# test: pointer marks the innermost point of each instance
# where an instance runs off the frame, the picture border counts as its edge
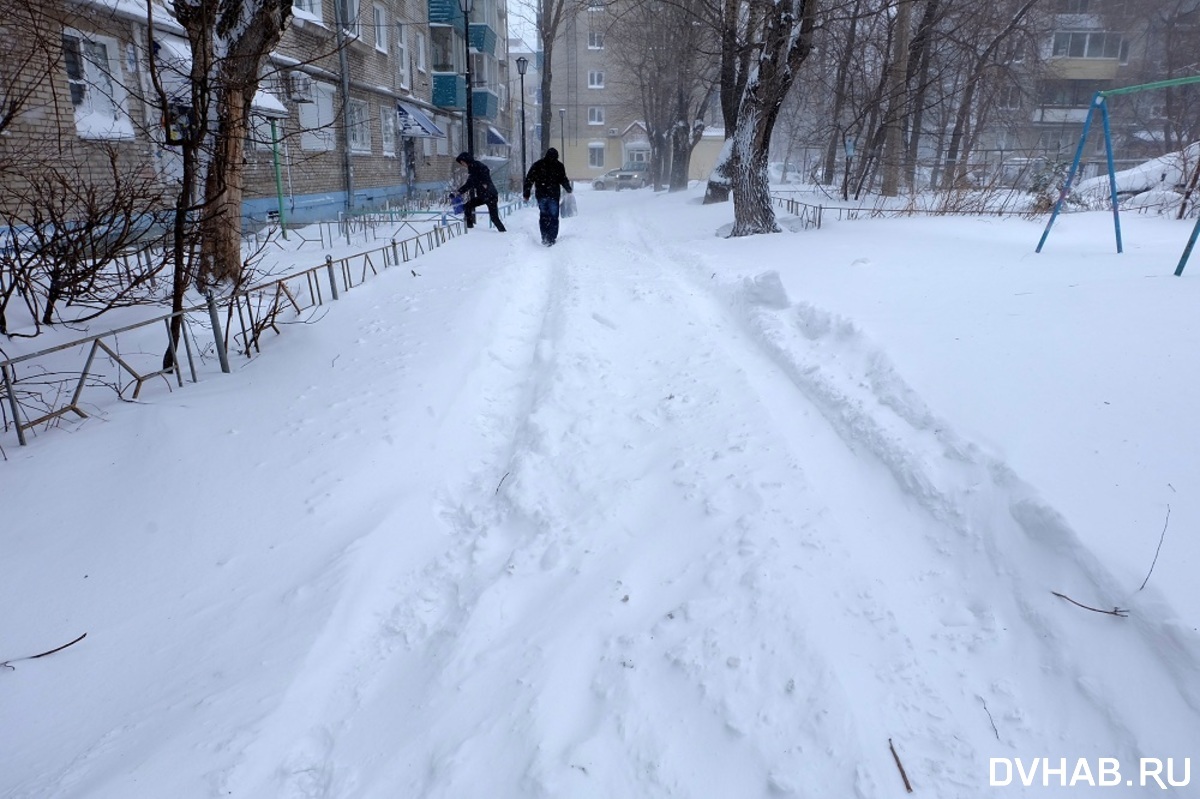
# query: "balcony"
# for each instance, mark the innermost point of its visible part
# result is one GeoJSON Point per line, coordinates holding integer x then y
{"type": "Point", "coordinates": [445, 12]}
{"type": "Point", "coordinates": [449, 93]}
{"type": "Point", "coordinates": [449, 90]}
{"type": "Point", "coordinates": [1057, 115]}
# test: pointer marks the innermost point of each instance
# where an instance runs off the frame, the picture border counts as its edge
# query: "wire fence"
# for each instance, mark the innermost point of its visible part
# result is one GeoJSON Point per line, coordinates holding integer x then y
{"type": "Point", "coordinates": [41, 389]}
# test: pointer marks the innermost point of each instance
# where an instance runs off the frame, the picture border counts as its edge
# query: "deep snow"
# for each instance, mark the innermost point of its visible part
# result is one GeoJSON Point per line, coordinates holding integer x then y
{"type": "Point", "coordinates": [650, 513]}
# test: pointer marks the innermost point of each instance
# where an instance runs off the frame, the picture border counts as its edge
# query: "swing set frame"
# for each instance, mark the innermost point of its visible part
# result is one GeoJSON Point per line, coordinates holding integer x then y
{"type": "Point", "coordinates": [1099, 101]}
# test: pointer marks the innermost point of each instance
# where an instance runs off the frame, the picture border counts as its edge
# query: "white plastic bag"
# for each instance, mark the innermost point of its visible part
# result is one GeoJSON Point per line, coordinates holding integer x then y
{"type": "Point", "coordinates": [567, 207]}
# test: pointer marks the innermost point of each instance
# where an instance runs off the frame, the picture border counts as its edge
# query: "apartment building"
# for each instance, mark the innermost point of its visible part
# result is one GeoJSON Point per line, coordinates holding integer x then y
{"type": "Point", "coordinates": [594, 127]}
{"type": "Point", "coordinates": [361, 104]}
{"type": "Point", "coordinates": [1086, 46]}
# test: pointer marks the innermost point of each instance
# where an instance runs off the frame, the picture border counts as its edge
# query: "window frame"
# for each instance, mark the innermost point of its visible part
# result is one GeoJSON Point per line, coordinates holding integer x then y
{"type": "Point", "coordinates": [401, 56]}
{"type": "Point", "coordinates": [316, 133]}
{"type": "Point", "coordinates": [379, 15]}
{"type": "Point", "coordinates": [352, 26]}
{"type": "Point", "coordinates": [595, 115]}
{"type": "Point", "coordinates": [358, 126]}
{"type": "Point", "coordinates": [92, 75]}
{"type": "Point", "coordinates": [387, 129]}
{"type": "Point", "coordinates": [311, 8]}
{"type": "Point", "coordinates": [595, 79]}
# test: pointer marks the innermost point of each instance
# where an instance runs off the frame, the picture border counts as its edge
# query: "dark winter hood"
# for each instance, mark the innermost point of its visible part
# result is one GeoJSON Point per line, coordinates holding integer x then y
{"type": "Point", "coordinates": [464, 158]}
{"type": "Point", "coordinates": [552, 154]}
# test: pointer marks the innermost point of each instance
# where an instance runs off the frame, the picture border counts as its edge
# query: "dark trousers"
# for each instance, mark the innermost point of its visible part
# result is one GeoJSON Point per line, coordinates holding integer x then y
{"type": "Point", "coordinates": [548, 219]}
{"type": "Point", "coordinates": [493, 207]}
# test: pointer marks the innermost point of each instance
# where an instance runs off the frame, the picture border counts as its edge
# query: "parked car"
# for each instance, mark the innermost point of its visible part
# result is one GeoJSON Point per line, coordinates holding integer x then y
{"type": "Point", "coordinates": [631, 176]}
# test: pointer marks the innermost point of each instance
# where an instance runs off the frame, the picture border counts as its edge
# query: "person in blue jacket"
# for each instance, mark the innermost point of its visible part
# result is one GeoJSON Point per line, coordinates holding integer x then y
{"type": "Point", "coordinates": [479, 190]}
{"type": "Point", "coordinates": [547, 178]}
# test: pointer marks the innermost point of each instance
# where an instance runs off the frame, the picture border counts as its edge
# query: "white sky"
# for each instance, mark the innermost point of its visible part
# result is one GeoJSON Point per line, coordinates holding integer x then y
{"type": "Point", "coordinates": [651, 513]}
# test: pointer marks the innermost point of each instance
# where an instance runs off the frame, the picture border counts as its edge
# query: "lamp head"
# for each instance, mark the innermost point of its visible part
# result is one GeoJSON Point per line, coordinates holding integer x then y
{"type": "Point", "coordinates": [522, 65]}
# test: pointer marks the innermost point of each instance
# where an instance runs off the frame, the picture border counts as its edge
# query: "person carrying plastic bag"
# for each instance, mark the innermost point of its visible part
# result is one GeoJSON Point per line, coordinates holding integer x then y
{"type": "Point", "coordinates": [546, 179]}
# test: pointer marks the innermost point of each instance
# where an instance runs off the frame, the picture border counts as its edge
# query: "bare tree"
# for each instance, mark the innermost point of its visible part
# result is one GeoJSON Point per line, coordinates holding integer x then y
{"type": "Point", "coordinates": [230, 40]}
{"type": "Point", "coordinates": [667, 63]}
{"type": "Point", "coordinates": [786, 41]}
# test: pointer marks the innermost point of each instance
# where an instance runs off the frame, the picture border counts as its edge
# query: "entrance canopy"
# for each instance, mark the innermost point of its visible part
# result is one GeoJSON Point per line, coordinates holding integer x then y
{"type": "Point", "coordinates": [415, 124]}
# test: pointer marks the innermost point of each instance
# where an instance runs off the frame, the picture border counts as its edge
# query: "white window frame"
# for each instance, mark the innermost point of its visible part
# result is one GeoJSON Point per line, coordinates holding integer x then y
{"type": "Point", "coordinates": [401, 56]}
{"type": "Point", "coordinates": [352, 10]}
{"type": "Point", "coordinates": [595, 40]}
{"type": "Point", "coordinates": [311, 8]}
{"type": "Point", "coordinates": [596, 156]}
{"type": "Point", "coordinates": [422, 63]}
{"type": "Point", "coordinates": [595, 115]}
{"type": "Point", "coordinates": [387, 129]}
{"type": "Point", "coordinates": [595, 79]}
{"type": "Point", "coordinates": [381, 27]}
{"type": "Point", "coordinates": [101, 112]}
{"type": "Point", "coordinates": [317, 118]}
{"type": "Point", "coordinates": [358, 127]}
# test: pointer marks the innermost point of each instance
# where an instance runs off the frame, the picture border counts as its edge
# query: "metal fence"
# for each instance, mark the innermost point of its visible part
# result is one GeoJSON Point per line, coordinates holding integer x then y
{"type": "Point", "coordinates": [812, 216]}
{"type": "Point", "coordinates": [41, 388]}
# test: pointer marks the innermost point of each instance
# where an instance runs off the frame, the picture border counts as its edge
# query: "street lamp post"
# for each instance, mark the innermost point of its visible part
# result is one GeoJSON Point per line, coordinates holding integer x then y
{"type": "Point", "coordinates": [562, 132]}
{"type": "Point", "coordinates": [522, 65]}
{"type": "Point", "coordinates": [465, 7]}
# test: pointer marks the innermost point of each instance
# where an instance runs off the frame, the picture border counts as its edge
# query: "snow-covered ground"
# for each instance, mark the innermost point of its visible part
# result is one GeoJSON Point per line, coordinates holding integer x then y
{"type": "Point", "coordinates": [650, 513]}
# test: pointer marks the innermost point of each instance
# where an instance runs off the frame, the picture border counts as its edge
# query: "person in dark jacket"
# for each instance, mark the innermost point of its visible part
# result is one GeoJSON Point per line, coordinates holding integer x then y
{"type": "Point", "coordinates": [481, 191]}
{"type": "Point", "coordinates": [547, 177]}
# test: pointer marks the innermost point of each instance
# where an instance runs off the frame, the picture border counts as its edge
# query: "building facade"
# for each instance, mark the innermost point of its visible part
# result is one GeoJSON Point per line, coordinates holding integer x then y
{"type": "Point", "coordinates": [361, 105]}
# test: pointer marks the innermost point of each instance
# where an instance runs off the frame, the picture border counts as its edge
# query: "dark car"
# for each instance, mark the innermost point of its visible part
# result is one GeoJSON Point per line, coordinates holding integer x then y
{"type": "Point", "coordinates": [631, 176]}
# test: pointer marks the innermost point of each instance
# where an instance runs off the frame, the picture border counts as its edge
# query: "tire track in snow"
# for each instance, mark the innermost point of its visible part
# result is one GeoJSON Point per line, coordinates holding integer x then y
{"type": "Point", "coordinates": [621, 530]}
{"type": "Point", "coordinates": [983, 506]}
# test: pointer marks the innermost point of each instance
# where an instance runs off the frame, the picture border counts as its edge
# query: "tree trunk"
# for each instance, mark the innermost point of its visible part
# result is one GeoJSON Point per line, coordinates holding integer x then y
{"type": "Point", "coordinates": [752, 210]}
{"type": "Point", "coordinates": [221, 226]}
{"type": "Point", "coordinates": [786, 43]}
{"type": "Point", "coordinates": [893, 144]}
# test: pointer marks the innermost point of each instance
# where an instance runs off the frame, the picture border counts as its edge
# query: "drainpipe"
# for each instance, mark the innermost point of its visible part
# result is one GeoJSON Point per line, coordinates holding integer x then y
{"type": "Point", "coordinates": [340, 23]}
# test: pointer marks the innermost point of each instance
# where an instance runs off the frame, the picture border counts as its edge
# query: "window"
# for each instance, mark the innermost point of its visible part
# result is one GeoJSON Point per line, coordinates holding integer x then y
{"type": "Point", "coordinates": [387, 128]}
{"type": "Point", "coordinates": [401, 56]}
{"type": "Point", "coordinates": [1073, 6]}
{"type": "Point", "coordinates": [595, 40]}
{"type": "Point", "coordinates": [1070, 93]}
{"type": "Point", "coordinates": [443, 144]}
{"type": "Point", "coordinates": [308, 9]}
{"type": "Point", "coordinates": [358, 127]}
{"type": "Point", "coordinates": [381, 29]}
{"type": "Point", "coordinates": [316, 118]}
{"type": "Point", "coordinates": [1089, 44]}
{"type": "Point", "coordinates": [259, 132]}
{"type": "Point", "coordinates": [94, 76]}
{"type": "Point", "coordinates": [596, 156]}
{"type": "Point", "coordinates": [1014, 51]}
{"type": "Point", "coordinates": [350, 22]}
{"type": "Point", "coordinates": [1008, 97]}
{"type": "Point", "coordinates": [447, 50]}
{"type": "Point", "coordinates": [595, 79]}
{"type": "Point", "coordinates": [596, 115]}
{"type": "Point", "coordinates": [421, 63]}
{"type": "Point", "coordinates": [596, 5]}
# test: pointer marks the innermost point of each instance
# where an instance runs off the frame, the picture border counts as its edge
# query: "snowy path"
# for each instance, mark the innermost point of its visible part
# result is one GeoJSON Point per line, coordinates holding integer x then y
{"type": "Point", "coordinates": [577, 559]}
{"type": "Point", "coordinates": [656, 497]}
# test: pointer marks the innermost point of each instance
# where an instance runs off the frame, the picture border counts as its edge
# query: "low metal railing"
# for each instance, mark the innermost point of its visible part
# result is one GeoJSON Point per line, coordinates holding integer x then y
{"type": "Point", "coordinates": [42, 387]}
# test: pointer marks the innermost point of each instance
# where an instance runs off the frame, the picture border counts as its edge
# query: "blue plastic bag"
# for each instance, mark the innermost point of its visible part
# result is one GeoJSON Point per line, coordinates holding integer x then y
{"type": "Point", "coordinates": [456, 204]}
